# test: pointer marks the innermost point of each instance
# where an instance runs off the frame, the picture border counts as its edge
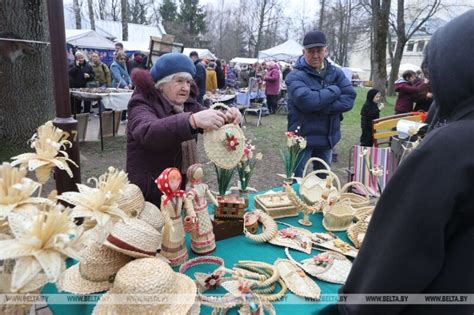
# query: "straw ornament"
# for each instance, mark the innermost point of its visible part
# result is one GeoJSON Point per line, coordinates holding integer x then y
{"type": "Point", "coordinates": [40, 243]}
{"type": "Point", "coordinates": [49, 143]}
{"type": "Point", "coordinates": [162, 182]}
{"type": "Point", "coordinates": [269, 227]}
{"type": "Point", "coordinates": [16, 192]}
{"type": "Point", "coordinates": [99, 203]}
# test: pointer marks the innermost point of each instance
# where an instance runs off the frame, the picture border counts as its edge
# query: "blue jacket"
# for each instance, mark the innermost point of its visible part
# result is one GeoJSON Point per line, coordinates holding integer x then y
{"type": "Point", "coordinates": [120, 77]}
{"type": "Point", "coordinates": [200, 77]}
{"type": "Point", "coordinates": [316, 102]}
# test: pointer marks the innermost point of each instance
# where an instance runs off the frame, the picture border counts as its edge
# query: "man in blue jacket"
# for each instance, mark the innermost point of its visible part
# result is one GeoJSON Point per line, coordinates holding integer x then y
{"type": "Point", "coordinates": [200, 77]}
{"type": "Point", "coordinates": [318, 94]}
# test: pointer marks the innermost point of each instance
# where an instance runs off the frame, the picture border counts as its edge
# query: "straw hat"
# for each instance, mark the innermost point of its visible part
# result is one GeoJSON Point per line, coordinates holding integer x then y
{"type": "Point", "coordinates": [149, 276]}
{"type": "Point", "coordinates": [152, 215]}
{"type": "Point", "coordinates": [95, 271]}
{"type": "Point", "coordinates": [135, 238]}
{"type": "Point", "coordinates": [131, 201]}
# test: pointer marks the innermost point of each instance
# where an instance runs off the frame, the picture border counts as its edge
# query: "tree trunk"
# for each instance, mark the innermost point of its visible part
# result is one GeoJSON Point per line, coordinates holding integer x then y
{"type": "Point", "coordinates": [380, 14]}
{"type": "Point", "coordinates": [77, 13]}
{"type": "Point", "coordinates": [260, 28]}
{"type": "Point", "coordinates": [124, 5]}
{"type": "Point", "coordinates": [401, 41]}
{"type": "Point", "coordinates": [321, 13]}
{"type": "Point", "coordinates": [90, 7]}
{"type": "Point", "coordinates": [26, 89]}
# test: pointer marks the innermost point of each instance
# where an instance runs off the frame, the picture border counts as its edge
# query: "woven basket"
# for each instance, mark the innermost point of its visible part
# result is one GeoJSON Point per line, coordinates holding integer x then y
{"type": "Point", "coordinates": [356, 232]}
{"type": "Point", "coordinates": [339, 216]}
{"type": "Point", "coordinates": [313, 187]}
{"type": "Point", "coordinates": [362, 213]}
{"type": "Point", "coordinates": [356, 200]}
{"type": "Point", "coordinates": [214, 144]}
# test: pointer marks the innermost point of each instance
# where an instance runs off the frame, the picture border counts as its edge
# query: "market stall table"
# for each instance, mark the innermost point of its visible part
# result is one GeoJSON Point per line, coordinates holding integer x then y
{"type": "Point", "coordinates": [232, 250]}
{"type": "Point", "coordinates": [114, 99]}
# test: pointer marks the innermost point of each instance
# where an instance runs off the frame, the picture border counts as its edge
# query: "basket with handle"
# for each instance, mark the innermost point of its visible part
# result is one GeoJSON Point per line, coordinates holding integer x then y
{"type": "Point", "coordinates": [338, 216]}
{"type": "Point", "coordinates": [224, 146]}
{"type": "Point", "coordinates": [356, 200]}
{"type": "Point", "coordinates": [312, 186]}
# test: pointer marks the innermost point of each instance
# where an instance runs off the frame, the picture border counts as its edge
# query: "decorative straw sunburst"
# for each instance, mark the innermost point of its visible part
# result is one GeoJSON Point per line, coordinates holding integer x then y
{"type": "Point", "coordinates": [99, 203]}
{"type": "Point", "coordinates": [49, 143]}
{"type": "Point", "coordinates": [16, 191]}
{"type": "Point", "coordinates": [39, 247]}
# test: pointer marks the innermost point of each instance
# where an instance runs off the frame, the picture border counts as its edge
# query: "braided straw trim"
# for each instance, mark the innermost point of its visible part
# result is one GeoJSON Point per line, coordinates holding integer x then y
{"type": "Point", "coordinates": [297, 280]}
{"type": "Point", "coordinates": [269, 227]}
{"type": "Point", "coordinates": [362, 213]}
{"type": "Point", "coordinates": [298, 202]}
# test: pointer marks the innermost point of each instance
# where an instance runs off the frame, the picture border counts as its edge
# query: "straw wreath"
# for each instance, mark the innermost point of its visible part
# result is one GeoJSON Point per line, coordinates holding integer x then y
{"type": "Point", "coordinates": [49, 143]}
{"type": "Point", "coordinates": [16, 192]}
{"type": "Point", "coordinates": [269, 227]}
{"type": "Point", "coordinates": [40, 243]}
{"type": "Point", "coordinates": [99, 203]}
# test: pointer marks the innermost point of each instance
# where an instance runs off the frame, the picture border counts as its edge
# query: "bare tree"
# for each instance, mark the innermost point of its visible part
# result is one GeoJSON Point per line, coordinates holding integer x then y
{"type": "Point", "coordinates": [102, 9]}
{"type": "Point", "coordinates": [114, 9]}
{"type": "Point", "coordinates": [124, 10]}
{"type": "Point", "coordinates": [380, 15]}
{"type": "Point", "coordinates": [420, 15]}
{"type": "Point", "coordinates": [90, 7]}
{"type": "Point", "coordinates": [321, 13]}
{"type": "Point", "coordinates": [26, 91]}
{"type": "Point", "coordinates": [76, 5]}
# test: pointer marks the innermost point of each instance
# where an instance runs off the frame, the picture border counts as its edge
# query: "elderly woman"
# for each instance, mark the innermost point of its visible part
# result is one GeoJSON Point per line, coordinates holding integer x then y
{"type": "Point", "coordinates": [164, 121]}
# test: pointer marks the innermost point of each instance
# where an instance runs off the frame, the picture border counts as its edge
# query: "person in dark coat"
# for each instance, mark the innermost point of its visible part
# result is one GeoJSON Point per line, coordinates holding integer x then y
{"type": "Point", "coordinates": [220, 75]}
{"type": "Point", "coordinates": [200, 76]}
{"type": "Point", "coordinates": [370, 111]}
{"type": "Point", "coordinates": [318, 93]}
{"type": "Point", "coordinates": [136, 62]}
{"type": "Point", "coordinates": [80, 74]}
{"type": "Point", "coordinates": [421, 233]}
{"type": "Point", "coordinates": [163, 122]}
{"type": "Point", "coordinates": [407, 92]}
{"type": "Point", "coordinates": [272, 86]}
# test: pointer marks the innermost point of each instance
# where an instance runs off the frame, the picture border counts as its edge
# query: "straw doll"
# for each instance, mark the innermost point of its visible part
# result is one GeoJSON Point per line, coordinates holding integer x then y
{"type": "Point", "coordinates": [202, 237]}
{"type": "Point", "coordinates": [173, 246]}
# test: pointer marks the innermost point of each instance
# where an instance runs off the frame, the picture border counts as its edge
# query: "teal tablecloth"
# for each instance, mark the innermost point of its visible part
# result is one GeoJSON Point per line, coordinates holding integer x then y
{"type": "Point", "coordinates": [239, 248]}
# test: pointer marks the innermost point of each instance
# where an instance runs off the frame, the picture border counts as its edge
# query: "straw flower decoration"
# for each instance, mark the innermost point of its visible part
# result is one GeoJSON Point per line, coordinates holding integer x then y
{"type": "Point", "coordinates": [40, 243]}
{"type": "Point", "coordinates": [49, 143]}
{"type": "Point", "coordinates": [99, 203]}
{"type": "Point", "coordinates": [16, 191]}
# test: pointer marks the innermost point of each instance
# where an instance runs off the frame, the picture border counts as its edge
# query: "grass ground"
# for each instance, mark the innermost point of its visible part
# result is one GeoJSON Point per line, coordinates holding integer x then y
{"type": "Point", "coordinates": [268, 138]}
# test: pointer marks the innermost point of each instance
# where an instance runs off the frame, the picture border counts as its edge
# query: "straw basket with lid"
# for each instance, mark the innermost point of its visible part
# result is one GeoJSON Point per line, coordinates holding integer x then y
{"type": "Point", "coordinates": [225, 146]}
{"type": "Point", "coordinates": [95, 271]}
{"type": "Point", "coordinates": [175, 293]}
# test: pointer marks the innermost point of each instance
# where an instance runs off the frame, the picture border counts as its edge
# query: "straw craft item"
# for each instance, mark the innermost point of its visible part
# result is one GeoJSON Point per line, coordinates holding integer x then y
{"type": "Point", "coordinates": [49, 143]}
{"type": "Point", "coordinates": [269, 227]}
{"type": "Point", "coordinates": [152, 215]}
{"type": "Point", "coordinates": [339, 216]}
{"type": "Point", "coordinates": [362, 213]}
{"type": "Point", "coordinates": [134, 238]}
{"type": "Point", "coordinates": [99, 203]}
{"type": "Point", "coordinates": [327, 266]}
{"type": "Point", "coordinates": [40, 244]}
{"type": "Point", "coordinates": [224, 146]}
{"type": "Point", "coordinates": [277, 205]}
{"type": "Point", "coordinates": [95, 271]}
{"type": "Point", "coordinates": [298, 203]}
{"type": "Point", "coordinates": [356, 233]}
{"type": "Point", "coordinates": [356, 200]}
{"type": "Point", "coordinates": [131, 200]}
{"type": "Point", "coordinates": [16, 192]}
{"type": "Point", "coordinates": [297, 280]}
{"type": "Point", "coordinates": [312, 187]}
{"type": "Point", "coordinates": [293, 237]}
{"type": "Point", "coordinates": [338, 245]}
{"type": "Point", "coordinates": [149, 276]}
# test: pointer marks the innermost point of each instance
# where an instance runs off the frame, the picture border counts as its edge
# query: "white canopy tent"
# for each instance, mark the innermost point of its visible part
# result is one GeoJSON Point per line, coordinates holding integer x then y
{"type": "Point", "coordinates": [88, 39]}
{"type": "Point", "coordinates": [289, 50]}
{"type": "Point", "coordinates": [247, 61]}
{"type": "Point", "coordinates": [406, 66]}
{"type": "Point", "coordinates": [202, 53]}
{"type": "Point", "coordinates": [143, 47]}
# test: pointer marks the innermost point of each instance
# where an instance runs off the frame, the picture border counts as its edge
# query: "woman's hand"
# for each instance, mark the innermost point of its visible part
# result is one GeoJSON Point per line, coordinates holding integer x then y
{"type": "Point", "coordinates": [233, 115]}
{"type": "Point", "coordinates": [207, 119]}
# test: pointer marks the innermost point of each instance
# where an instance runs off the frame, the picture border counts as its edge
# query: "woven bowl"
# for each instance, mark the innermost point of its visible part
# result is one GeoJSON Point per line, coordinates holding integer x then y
{"type": "Point", "coordinates": [356, 233]}
{"type": "Point", "coordinates": [338, 217]}
{"type": "Point", "coordinates": [363, 212]}
{"type": "Point", "coordinates": [356, 200]}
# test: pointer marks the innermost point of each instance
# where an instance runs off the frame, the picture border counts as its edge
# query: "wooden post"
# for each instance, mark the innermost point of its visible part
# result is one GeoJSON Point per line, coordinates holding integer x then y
{"type": "Point", "coordinates": [64, 119]}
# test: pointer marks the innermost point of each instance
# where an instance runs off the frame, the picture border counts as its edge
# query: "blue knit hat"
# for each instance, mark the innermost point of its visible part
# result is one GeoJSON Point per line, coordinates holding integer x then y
{"type": "Point", "coordinates": [172, 63]}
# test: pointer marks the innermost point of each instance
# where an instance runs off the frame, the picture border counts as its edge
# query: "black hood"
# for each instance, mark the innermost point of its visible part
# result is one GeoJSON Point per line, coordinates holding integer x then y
{"type": "Point", "coordinates": [451, 64]}
{"type": "Point", "coordinates": [371, 94]}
